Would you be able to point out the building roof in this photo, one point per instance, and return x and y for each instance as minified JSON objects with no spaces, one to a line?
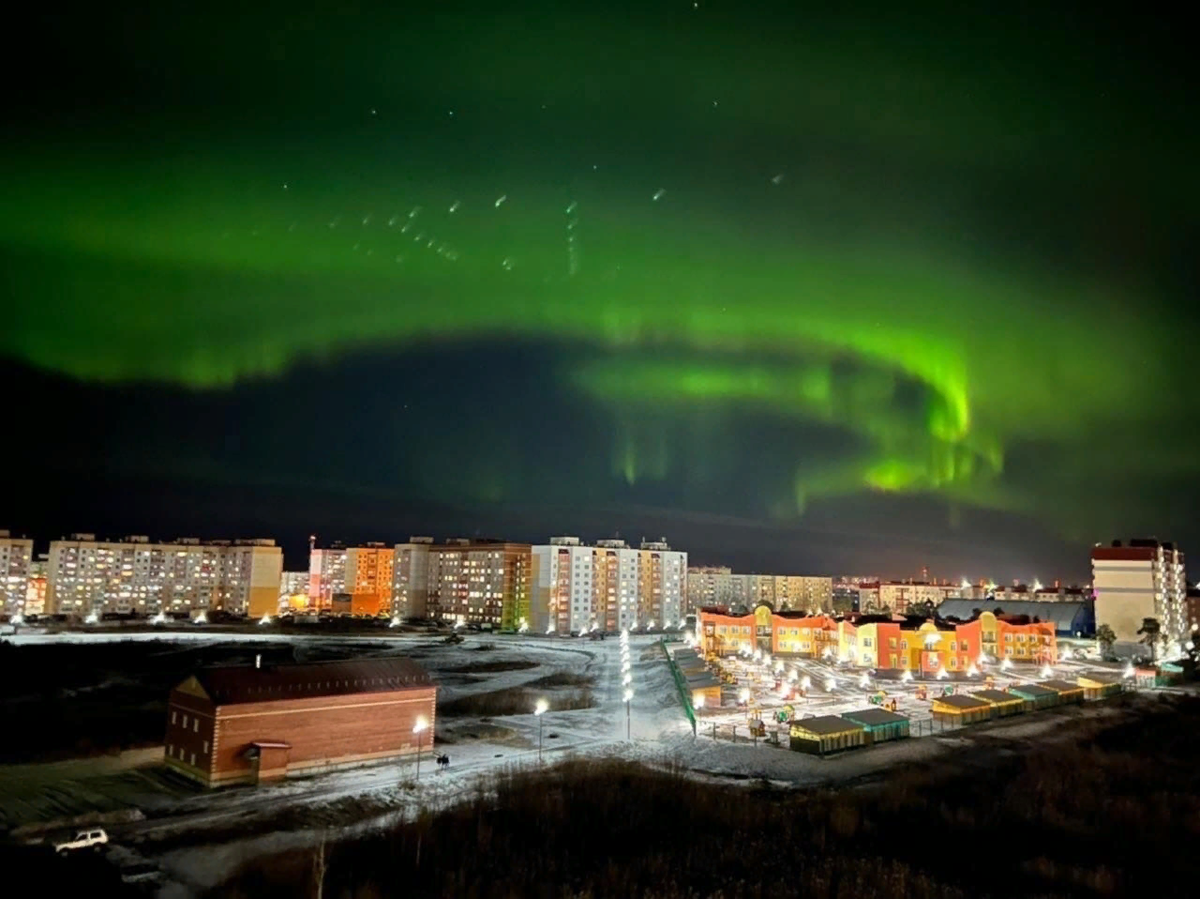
{"x":701,"y":681}
{"x":874,"y":717}
{"x":1102,"y":677}
{"x":826,"y":724}
{"x":1061,"y":614}
{"x":246,"y":683}
{"x":960,"y":701}
{"x":1031,"y":691}
{"x":1061,"y":686}
{"x":996,"y":696}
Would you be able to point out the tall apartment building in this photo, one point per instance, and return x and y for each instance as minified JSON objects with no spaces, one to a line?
{"x":16,"y":557}
{"x":368,"y":578}
{"x":720,"y":587}
{"x":611,"y":585}
{"x":134,"y":576}
{"x":482,"y":582}
{"x":326,"y":575}
{"x":709,"y":587}
{"x":1138,"y":580}
{"x":410,"y":578}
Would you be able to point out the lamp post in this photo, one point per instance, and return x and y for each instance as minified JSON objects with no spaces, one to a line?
{"x":538,"y":711}
{"x":419,"y":728}
{"x":628,"y":698}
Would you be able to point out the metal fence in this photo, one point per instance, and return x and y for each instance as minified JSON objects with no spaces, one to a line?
{"x":685,"y":697}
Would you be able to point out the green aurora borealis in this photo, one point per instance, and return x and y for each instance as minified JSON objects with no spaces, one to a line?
{"x":955,"y":250}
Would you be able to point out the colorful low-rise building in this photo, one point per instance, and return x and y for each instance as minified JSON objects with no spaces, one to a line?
{"x":828,"y":733}
{"x":1036,"y":696}
{"x":1002,"y":702}
{"x":1100,"y":685}
{"x":779,"y":633}
{"x":959,"y":708}
{"x":880,"y":725}
{"x":1067,"y":691}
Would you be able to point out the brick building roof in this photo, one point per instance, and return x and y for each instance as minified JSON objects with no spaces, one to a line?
{"x":246,"y":683}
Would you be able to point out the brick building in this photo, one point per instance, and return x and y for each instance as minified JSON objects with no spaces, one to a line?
{"x":249,"y":723}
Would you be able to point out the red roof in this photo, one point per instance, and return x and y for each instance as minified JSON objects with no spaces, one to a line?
{"x":233,"y":685}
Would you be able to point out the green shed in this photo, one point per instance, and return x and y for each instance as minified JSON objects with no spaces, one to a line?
{"x":829,"y":733}
{"x":880,"y":725}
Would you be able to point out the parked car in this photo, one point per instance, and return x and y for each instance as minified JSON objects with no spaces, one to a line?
{"x":92,"y":839}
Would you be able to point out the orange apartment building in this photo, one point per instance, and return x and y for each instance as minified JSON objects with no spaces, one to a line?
{"x":369,"y":579}
{"x":780,"y":633}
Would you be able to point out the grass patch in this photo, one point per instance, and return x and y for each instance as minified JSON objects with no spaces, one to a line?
{"x":491,"y":667}
{"x":1101,"y":813}
{"x":513,"y":701}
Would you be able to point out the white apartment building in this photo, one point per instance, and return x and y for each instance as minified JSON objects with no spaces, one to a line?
{"x":16,"y":557}
{"x":87,"y":576}
{"x":609,"y":586}
{"x":410,"y":578}
{"x":1138,"y":580}
{"x":326,"y":575}
{"x":899,"y":595}
{"x":709,"y":585}
{"x":293,"y":583}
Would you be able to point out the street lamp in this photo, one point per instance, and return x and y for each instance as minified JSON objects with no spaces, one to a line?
{"x":628,"y":699}
{"x":421,"y":725}
{"x":627,"y":679}
{"x":539,"y":710}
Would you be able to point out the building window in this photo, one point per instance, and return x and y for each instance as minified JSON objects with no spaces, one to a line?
{"x":195,"y":725}
{"x":206,"y":747}
{"x":953,"y":646}
{"x":172,"y":717}
{"x":185,"y":722}
{"x":193,"y":759}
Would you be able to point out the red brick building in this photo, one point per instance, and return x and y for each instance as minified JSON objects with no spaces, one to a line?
{"x":246,"y":724}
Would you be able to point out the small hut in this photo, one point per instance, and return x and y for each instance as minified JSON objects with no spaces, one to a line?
{"x":829,"y":733}
{"x":880,"y":725}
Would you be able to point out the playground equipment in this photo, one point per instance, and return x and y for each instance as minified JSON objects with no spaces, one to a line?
{"x":948,"y":690}
{"x":757,"y":728}
{"x":922,"y":692}
{"x":890,"y":705}
{"x":785,"y":714}
{"x":990,"y":683}
{"x":878,"y":698}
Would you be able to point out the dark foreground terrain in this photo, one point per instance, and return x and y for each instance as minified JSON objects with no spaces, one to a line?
{"x":1112,"y":811}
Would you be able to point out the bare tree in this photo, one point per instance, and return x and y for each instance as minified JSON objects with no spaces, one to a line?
{"x":320,"y":864}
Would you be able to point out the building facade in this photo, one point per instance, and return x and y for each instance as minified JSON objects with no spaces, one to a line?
{"x":86,"y":576}
{"x":410,"y":578}
{"x":369,"y":578}
{"x":326,"y":575}
{"x":479,"y":582}
{"x":610,"y":586}
{"x":16,"y":559}
{"x":247,"y":724}
{"x":709,"y":585}
{"x":899,"y":596}
{"x":879,"y":643}
{"x":1138,"y":580}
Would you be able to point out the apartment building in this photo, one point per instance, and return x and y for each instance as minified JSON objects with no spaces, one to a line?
{"x":326,"y":574}
{"x":369,"y":578}
{"x":16,"y":558}
{"x":479,"y":581}
{"x":86,"y":576}
{"x":1137,"y":580}
{"x":410,"y":577}
{"x":610,"y":586}
{"x":709,"y":585}
{"x":900,"y":595}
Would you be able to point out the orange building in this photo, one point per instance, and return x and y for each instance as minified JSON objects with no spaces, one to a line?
{"x":369,"y":579}
{"x":779,"y":633}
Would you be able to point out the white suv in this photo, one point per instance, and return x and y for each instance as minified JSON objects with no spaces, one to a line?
{"x":84,"y":839}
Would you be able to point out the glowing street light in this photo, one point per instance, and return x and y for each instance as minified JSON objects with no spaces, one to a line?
{"x":395,"y":622}
{"x":202,"y":618}
{"x":806,"y":683}
{"x":93,"y":618}
{"x":972,"y":671}
{"x":550,"y":629}
{"x":1047,"y":671}
{"x":160,"y":618}
{"x":628,"y":700}
{"x":864,"y":681}
{"x":266,"y":619}
{"x":942,"y":674}
{"x":699,"y":702}
{"x":1128,"y":672}
{"x":744,"y":695}
{"x":17,"y":620}
{"x":830,"y":684}
{"x":906,"y":676}
{"x":793,"y":675}
{"x":538,"y":710}
{"x":627,"y":679}
{"x":421,"y":725}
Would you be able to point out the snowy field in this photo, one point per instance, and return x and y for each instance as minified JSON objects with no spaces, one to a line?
{"x":199,"y":837}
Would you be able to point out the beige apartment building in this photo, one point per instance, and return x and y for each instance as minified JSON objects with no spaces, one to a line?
{"x":16,"y":559}
{"x":86,"y":576}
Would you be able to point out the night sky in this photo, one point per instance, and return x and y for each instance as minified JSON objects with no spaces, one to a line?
{"x":802,"y":291}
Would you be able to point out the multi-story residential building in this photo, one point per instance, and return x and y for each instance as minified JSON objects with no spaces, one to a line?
{"x":1192,"y":604}
{"x":709,"y":585}
{"x":482,"y":581}
{"x":134,"y":576}
{"x":610,"y":586}
{"x":410,"y":577}
{"x":368,"y":577}
{"x":16,"y":557}
{"x":326,"y":574}
{"x":1138,"y":580}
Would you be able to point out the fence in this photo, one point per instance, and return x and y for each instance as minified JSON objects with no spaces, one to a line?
{"x":685,"y":698}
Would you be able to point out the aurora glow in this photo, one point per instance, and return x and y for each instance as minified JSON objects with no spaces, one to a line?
{"x":882,"y":227}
